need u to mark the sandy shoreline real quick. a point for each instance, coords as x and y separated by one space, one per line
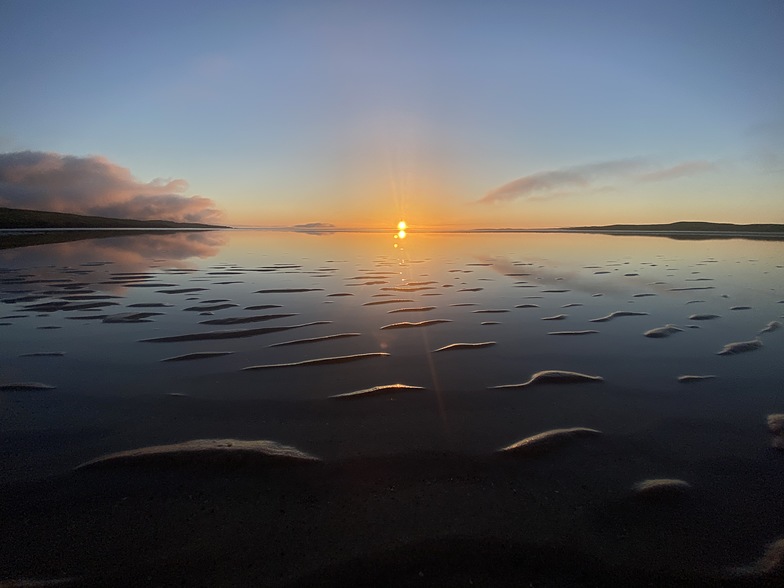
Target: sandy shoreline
374 521
410 489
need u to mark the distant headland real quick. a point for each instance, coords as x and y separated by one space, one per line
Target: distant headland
18 218
689 230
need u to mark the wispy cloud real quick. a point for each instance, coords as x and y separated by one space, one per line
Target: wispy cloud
94 185
546 183
688 168
559 183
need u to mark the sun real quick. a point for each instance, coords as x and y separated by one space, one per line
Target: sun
402 226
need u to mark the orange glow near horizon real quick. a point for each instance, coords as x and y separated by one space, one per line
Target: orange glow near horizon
402 226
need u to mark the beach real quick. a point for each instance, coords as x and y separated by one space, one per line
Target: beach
274 409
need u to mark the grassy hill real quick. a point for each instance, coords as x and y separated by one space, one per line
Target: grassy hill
18 218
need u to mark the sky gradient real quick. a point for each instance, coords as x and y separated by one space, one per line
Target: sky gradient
451 114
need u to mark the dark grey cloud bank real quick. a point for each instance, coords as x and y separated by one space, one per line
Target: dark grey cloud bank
94 185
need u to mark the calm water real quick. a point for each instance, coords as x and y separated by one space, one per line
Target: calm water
113 391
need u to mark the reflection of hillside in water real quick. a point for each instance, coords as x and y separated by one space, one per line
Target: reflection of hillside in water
131 252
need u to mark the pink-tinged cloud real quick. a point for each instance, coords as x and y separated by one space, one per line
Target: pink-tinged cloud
95 186
688 168
554 182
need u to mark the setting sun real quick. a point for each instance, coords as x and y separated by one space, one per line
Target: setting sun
402 226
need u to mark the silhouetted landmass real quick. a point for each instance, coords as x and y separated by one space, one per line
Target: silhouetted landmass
18 218
691 230
315 226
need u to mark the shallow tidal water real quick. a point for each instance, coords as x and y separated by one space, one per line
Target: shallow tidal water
147 339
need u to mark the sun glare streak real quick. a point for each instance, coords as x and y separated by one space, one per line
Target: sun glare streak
402 226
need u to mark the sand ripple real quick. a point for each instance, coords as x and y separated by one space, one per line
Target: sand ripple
703 317
239 320
229 334
319 361
553 377
464 346
210 452
211 307
131 317
616 314
770 327
769 566
413 309
585 332
406 324
315 339
687 379
390 301
547 441
24 387
378 390
660 488
740 347
661 332
198 355
288 290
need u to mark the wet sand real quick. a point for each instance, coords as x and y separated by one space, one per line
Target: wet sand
401 423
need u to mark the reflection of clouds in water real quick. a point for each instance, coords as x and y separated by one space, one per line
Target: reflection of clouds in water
573 278
133 252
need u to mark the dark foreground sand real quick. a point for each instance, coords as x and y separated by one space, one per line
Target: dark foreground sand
419 519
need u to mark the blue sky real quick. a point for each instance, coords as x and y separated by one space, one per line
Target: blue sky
361 113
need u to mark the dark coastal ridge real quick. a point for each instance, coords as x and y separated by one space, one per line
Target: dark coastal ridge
19 218
690 230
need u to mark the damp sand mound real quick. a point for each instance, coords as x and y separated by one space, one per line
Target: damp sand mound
547 441
616 314
454 346
703 317
204 452
689 379
769 566
44 354
770 327
288 290
130 317
412 309
390 301
229 334
776 427
583 332
408 325
552 377
318 361
776 424
24 387
661 332
241 320
315 339
660 488
378 391
198 355
740 347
